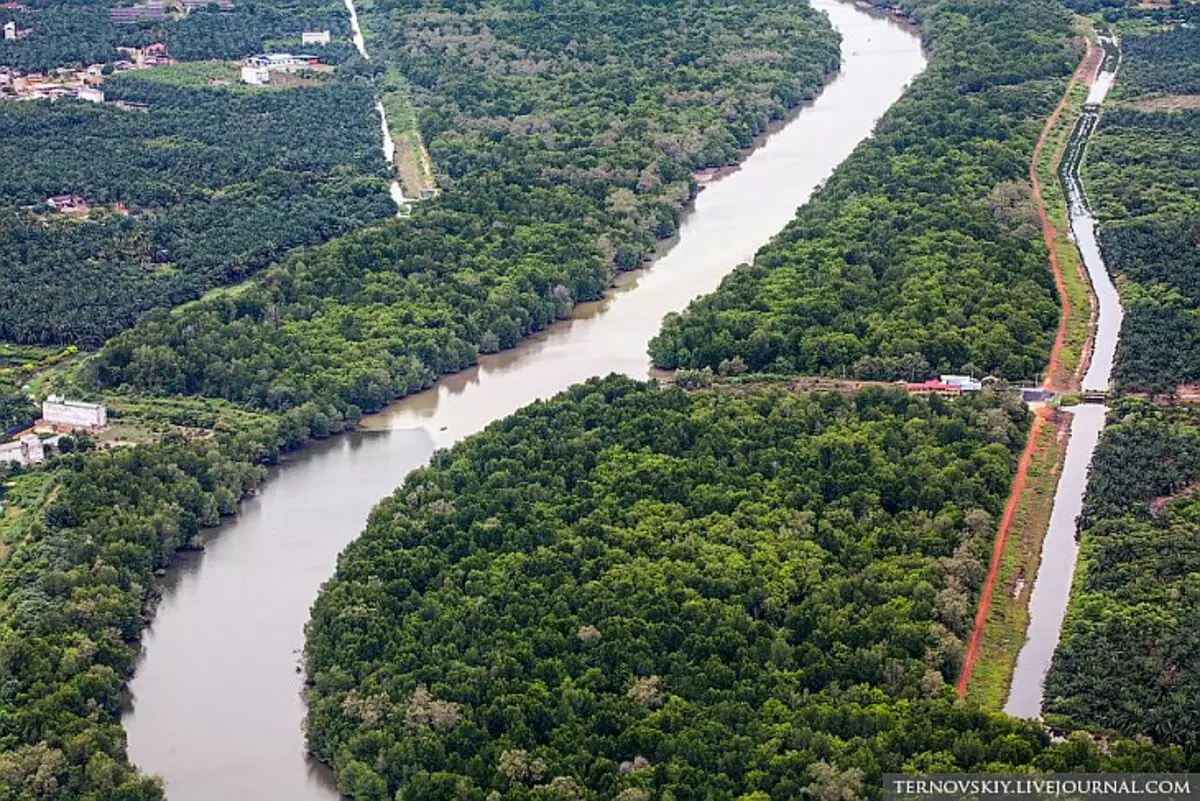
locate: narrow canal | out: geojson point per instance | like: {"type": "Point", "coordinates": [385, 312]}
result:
{"type": "Point", "coordinates": [216, 705]}
{"type": "Point", "coordinates": [1052, 587]}
{"type": "Point", "coordinates": [389, 147]}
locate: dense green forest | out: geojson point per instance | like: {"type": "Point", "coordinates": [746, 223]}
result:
{"type": "Point", "coordinates": [1164, 61]}
{"type": "Point", "coordinates": [215, 186]}
{"type": "Point", "coordinates": [922, 253]}
{"type": "Point", "coordinates": [1137, 11]}
{"type": "Point", "coordinates": [75, 581]}
{"type": "Point", "coordinates": [1129, 658]}
{"type": "Point", "coordinates": [565, 136]}
{"type": "Point", "coordinates": [16, 411]}
{"type": "Point", "coordinates": [79, 34]}
{"type": "Point", "coordinates": [59, 35]}
{"type": "Point", "coordinates": [542, 218]}
{"type": "Point", "coordinates": [632, 592]}
{"type": "Point", "coordinates": [1140, 175]}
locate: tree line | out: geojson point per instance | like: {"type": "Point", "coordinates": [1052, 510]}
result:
{"type": "Point", "coordinates": [922, 253]}
{"type": "Point", "coordinates": [1129, 661]}
{"type": "Point", "coordinates": [1139, 175]}
{"type": "Point", "coordinates": [564, 137]}
{"type": "Point", "coordinates": [75, 592]}
{"type": "Point", "coordinates": [72, 34]}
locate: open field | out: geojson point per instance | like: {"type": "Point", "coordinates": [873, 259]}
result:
{"type": "Point", "coordinates": [227, 75]}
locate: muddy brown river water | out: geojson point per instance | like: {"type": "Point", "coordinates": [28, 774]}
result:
{"type": "Point", "coordinates": [216, 709]}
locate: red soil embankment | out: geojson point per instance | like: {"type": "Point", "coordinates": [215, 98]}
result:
{"type": "Point", "coordinates": [989, 584]}
{"type": "Point", "coordinates": [1085, 71]}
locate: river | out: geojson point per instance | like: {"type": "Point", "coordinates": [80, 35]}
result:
{"type": "Point", "coordinates": [1052, 587]}
{"type": "Point", "coordinates": [216, 705]}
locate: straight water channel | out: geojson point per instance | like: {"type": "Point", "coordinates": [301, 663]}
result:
{"type": "Point", "coordinates": [216, 708]}
{"type": "Point", "coordinates": [1052, 587]}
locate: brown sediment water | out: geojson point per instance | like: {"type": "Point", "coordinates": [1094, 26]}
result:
{"type": "Point", "coordinates": [1052, 587]}
{"type": "Point", "coordinates": [216, 701]}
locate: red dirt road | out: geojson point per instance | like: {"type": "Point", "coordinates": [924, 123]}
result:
{"type": "Point", "coordinates": [989, 584]}
{"type": "Point", "coordinates": [1086, 72]}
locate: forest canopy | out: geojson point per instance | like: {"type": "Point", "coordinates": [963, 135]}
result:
{"type": "Point", "coordinates": [632, 592]}
{"type": "Point", "coordinates": [1140, 173]}
{"type": "Point", "coordinates": [564, 137]}
{"type": "Point", "coordinates": [70, 34]}
{"type": "Point", "coordinates": [76, 581]}
{"type": "Point", "coordinates": [203, 188]}
{"type": "Point", "coordinates": [922, 253]}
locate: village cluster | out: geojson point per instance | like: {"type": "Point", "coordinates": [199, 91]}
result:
{"type": "Point", "coordinates": [86, 83]}
{"type": "Point", "coordinates": [59, 416]}
{"type": "Point", "coordinates": [78, 83]}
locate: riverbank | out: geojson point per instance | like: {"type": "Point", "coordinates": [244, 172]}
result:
{"type": "Point", "coordinates": [317, 503]}
{"type": "Point", "coordinates": [1001, 622]}
{"type": "Point", "coordinates": [1038, 630]}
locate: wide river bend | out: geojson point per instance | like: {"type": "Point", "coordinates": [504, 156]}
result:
{"type": "Point", "coordinates": [216, 709]}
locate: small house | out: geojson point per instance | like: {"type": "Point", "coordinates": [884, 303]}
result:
{"type": "Point", "coordinates": [188, 6]}
{"type": "Point", "coordinates": [144, 12]}
{"type": "Point", "coordinates": [964, 382]}
{"type": "Point", "coordinates": [933, 387]}
{"type": "Point", "coordinates": [314, 38]}
{"type": "Point", "coordinates": [32, 451]}
{"type": "Point", "coordinates": [283, 61]}
{"type": "Point", "coordinates": [67, 204]}
{"type": "Point", "coordinates": [92, 94]}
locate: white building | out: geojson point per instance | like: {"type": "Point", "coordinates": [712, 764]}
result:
{"type": "Point", "coordinates": [256, 76]}
{"type": "Point", "coordinates": [10, 452]}
{"type": "Point", "coordinates": [32, 451]}
{"type": "Point", "coordinates": [964, 382]}
{"type": "Point", "coordinates": [283, 61]}
{"type": "Point", "coordinates": [28, 451]}
{"type": "Point", "coordinates": [59, 411]}
{"type": "Point", "coordinates": [314, 38]}
{"type": "Point", "coordinates": [10, 31]}
{"type": "Point", "coordinates": [91, 94]}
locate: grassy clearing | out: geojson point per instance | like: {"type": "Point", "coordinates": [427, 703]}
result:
{"type": "Point", "coordinates": [30, 357]}
{"type": "Point", "coordinates": [144, 418]}
{"type": "Point", "coordinates": [413, 167]}
{"type": "Point", "coordinates": [223, 75]}
{"type": "Point", "coordinates": [33, 366]}
{"type": "Point", "coordinates": [1008, 615]}
{"type": "Point", "coordinates": [19, 497]}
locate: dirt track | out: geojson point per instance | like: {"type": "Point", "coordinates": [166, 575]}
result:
{"type": "Point", "coordinates": [989, 584]}
{"type": "Point", "coordinates": [1085, 71]}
